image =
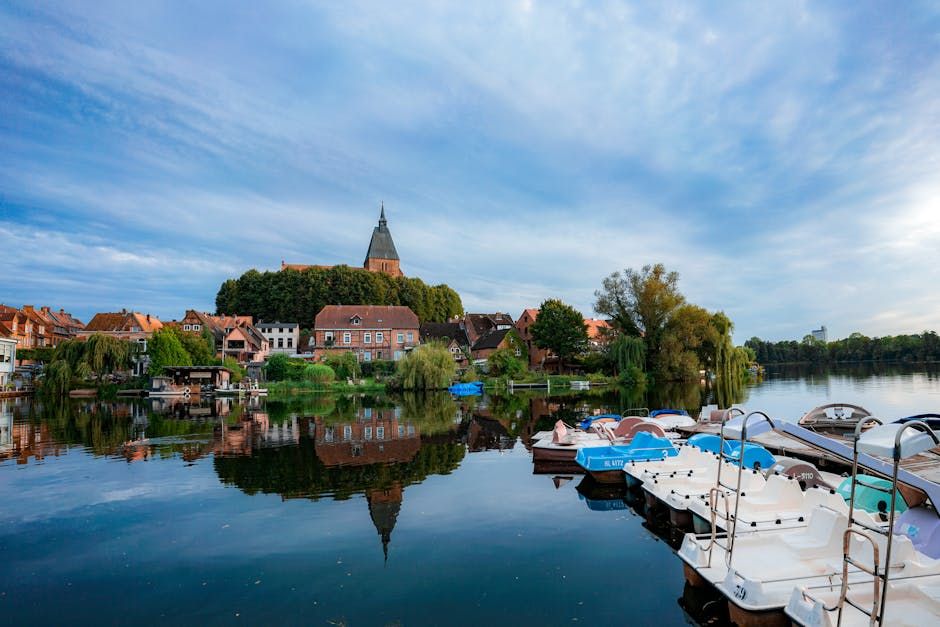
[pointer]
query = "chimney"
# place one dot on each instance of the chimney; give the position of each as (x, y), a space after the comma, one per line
(124, 310)
(45, 309)
(148, 317)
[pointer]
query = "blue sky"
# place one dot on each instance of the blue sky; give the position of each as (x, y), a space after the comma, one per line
(782, 156)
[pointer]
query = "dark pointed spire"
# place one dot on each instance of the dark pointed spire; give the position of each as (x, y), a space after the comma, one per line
(382, 220)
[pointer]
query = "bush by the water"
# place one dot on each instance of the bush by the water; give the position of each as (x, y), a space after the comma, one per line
(345, 365)
(428, 367)
(504, 363)
(378, 368)
(319, 373)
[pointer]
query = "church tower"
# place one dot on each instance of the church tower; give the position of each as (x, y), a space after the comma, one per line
(382, 256)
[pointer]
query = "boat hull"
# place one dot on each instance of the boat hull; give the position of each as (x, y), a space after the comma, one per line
(554, 454)
(693, 578)
(766, 618)
(681, 519)
(614, 477)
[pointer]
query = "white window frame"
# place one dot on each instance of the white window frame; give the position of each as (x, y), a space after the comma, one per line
(411, 337)
(366, 355)
(367, 433)
(327, 336)
(187, 327)
(347, 433)
(379, 337)
(347, 337)
(401, 338)
(380, 433)
(367, 337)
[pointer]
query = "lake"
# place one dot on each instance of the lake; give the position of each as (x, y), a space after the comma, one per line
(365, 510)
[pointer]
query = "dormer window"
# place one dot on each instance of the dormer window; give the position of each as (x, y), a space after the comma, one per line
(356, 320)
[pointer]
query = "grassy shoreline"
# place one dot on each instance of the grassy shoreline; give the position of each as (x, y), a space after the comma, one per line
(309, 387)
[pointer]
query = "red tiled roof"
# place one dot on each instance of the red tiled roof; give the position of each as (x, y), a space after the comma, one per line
(371, 316)
(596, 328)
(5, 331)
(123, 321)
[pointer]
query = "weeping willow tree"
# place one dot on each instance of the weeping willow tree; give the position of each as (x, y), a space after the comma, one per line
(97, 356)
(428, 367)
(627, 352)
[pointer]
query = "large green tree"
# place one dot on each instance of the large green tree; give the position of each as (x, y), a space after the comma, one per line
(640, 304)
(297, 296)
(166, 350)
(560, 329)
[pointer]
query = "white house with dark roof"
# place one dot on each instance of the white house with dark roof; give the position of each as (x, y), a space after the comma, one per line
(7, 360)
(283, 337)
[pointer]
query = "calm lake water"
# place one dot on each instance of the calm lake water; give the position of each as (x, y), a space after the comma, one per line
(358, 510)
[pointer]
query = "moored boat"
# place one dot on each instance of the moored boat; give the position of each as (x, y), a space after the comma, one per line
(605, 464)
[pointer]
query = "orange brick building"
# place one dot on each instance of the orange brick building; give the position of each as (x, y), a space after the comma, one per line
(371, 332)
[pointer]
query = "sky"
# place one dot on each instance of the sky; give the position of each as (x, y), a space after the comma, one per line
(782, 156)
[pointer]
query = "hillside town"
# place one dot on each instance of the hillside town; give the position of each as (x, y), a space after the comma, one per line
(371, 333)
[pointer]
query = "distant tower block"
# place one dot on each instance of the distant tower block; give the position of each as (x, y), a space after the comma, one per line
(821, 334)
(382, 256)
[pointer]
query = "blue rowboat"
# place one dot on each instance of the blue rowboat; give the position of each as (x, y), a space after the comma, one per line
(605, 463)
(668, 412)
(474, 388)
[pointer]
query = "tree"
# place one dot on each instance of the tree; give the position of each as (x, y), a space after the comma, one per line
(276, 368)
(166, 350)
(319, 373)
(560, 329)
(428, 367)
(300, 295)
(640, 304)
(504, 363)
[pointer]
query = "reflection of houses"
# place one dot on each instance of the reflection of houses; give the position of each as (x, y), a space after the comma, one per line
(7, 360)
(377, 437)
(256, 431)
(22, 440)
(484, 434)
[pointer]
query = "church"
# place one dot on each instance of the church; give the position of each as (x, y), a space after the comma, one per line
(381, 256)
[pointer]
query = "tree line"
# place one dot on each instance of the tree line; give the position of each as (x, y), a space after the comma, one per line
(922, 347)
(299, 295)
(655, 331)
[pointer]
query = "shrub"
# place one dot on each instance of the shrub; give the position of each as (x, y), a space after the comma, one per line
(345, 365)
(319, 373)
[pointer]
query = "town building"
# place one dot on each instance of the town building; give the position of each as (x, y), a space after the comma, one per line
(496, 340)
(820, 334)
(372, 332)
(126, 325)
(450, 334)
(18, 326)
(479, 324)
(283, 337)
(599, 333)
(7, 360)
(235, 336)
(38, 328)
(381, 256)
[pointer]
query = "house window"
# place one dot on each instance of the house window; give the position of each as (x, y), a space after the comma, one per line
(411, 429)
(366, 355)
(290, 342)
(411, 337)
(401, 338)
(187, 327)
(401, 430)
(378, 354)
(356, 320)
(280, 342)
(347, 432)
(328, 434)
(518, 352)
(366, 338)
(347, 338)
(328, 337)
(380, 433)
(197, 327)
(368, 433)
(379, 337)
(397, 355)
(367, 413)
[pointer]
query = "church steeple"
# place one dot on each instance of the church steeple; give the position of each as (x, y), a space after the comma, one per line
(382, 256)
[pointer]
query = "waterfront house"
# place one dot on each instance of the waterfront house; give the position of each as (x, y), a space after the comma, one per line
(64, 326)
(479, 324)
(452, 335)
(538, 357)
(495, 340)
(235, 336)
(371, 332)
(19, 326)
(599, 333)
(283, 337)
(126, 325)
(7, 360)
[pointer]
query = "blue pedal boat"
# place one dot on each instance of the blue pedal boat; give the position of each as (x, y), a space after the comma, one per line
(605, 463)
